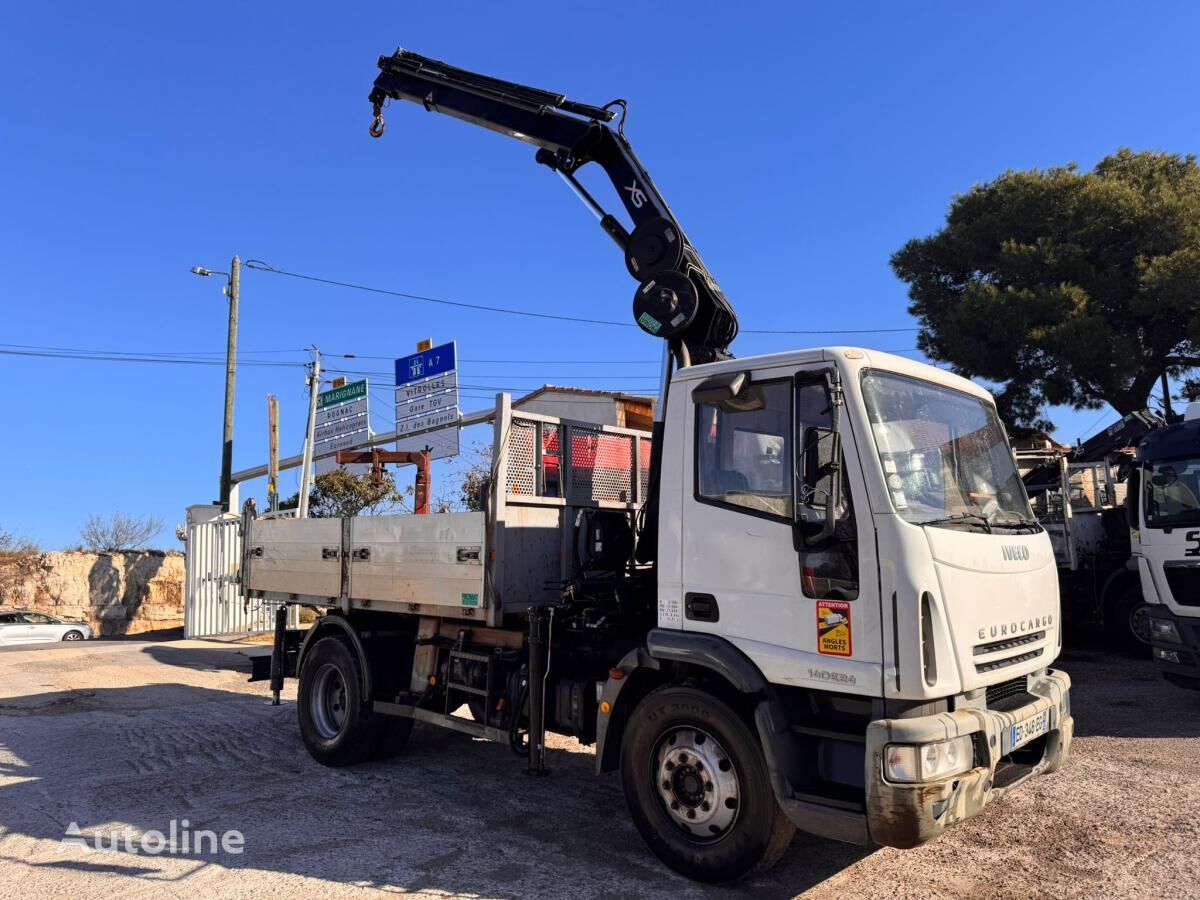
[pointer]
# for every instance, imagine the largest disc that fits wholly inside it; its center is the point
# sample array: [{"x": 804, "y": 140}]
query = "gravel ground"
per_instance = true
[{"x": 116, "y": 734}]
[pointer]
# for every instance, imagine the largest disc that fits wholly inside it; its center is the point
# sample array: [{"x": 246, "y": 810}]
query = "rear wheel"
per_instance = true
[
  {"x": 698, "y": 789},
  {"x": 337, "y": 728}
]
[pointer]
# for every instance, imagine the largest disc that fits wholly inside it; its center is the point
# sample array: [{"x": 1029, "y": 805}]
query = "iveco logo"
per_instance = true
[{"x": 1014, "y": 551}]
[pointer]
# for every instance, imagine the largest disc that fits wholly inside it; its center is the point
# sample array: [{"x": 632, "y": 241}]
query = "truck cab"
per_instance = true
[
  {"x": 1164, "y": 514},
  {"x": 853, "y": 524}
]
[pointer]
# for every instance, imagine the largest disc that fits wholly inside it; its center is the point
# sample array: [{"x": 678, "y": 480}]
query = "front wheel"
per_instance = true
[
  {"x": 73, "y": 636},
  {"x": 698, "y": 789},
  {"x": 1128, "y": 620}
]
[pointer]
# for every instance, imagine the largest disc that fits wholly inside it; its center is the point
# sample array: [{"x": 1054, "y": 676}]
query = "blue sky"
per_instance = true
[{"x": 798, "y": 144}]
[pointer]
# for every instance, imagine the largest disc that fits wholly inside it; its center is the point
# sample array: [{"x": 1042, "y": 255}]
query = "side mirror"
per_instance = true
[{"x": 1133, "y": 497}]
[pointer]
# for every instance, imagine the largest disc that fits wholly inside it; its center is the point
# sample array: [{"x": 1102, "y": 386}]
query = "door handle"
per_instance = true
[{"x": 701, "y": 607}]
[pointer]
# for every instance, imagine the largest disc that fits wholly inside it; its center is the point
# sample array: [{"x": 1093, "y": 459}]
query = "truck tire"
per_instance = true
[
  {"x": 698, "y": 788},
  {"x": 336, "y": 726},
  {"x": 1127, "y": 621}
]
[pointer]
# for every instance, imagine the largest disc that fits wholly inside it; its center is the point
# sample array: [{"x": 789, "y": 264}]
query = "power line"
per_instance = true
[
  {"x": 149, "y": 360},
  {"x": 259, "y": 266},
  {"x": 170, "y": 353}
]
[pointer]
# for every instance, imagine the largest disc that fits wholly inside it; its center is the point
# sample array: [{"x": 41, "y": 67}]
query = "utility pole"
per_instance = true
[
  {"x": 230, "y": 383},
  {"x": 273, "y": 454},
  {"x": 314, "y": 388}
]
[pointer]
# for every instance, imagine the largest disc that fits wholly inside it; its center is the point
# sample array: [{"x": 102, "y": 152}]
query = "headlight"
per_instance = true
[
  {"x": 911, "y": 763},
  {"x": 1164, "y": 630}
]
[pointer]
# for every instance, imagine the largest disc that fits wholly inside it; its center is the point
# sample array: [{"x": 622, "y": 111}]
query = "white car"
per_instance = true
[{"x": 24, "y": 627}]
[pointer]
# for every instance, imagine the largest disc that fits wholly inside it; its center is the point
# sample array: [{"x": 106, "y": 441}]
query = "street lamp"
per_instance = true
[{"x": 231, "y": 291}]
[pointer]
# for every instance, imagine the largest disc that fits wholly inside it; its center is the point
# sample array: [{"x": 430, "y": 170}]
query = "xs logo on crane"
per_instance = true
[{"x": 636, "y": 196}]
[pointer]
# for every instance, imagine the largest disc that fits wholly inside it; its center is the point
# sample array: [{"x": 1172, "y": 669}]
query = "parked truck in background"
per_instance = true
[
  {"x": 1124, "y": 520},
  {"x": 814, "y": 596},
  {"x": 1164, "y": 512},
  {"x": 1079, "y": 496}
]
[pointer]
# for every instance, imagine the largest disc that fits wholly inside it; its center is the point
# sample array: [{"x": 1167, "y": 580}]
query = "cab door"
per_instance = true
[{"x": 755, "y": 493}]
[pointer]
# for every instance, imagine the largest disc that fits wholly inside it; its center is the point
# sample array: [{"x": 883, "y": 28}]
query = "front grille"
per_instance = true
[
  {"x": 1006, "y": 689},
  {"x": 1008, "y": 643},
  {"x": 1184, "y": 582},
  {"x": 981, "y": 668}
]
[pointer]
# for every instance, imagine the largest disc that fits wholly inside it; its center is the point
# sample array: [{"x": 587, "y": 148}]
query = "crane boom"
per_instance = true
[{"x": 677, "y": 298}]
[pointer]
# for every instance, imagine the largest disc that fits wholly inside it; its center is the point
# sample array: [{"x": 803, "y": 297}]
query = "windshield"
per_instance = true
[
  {"x": 944, "y": 455},
  {"x": 1171, "y": 490}
]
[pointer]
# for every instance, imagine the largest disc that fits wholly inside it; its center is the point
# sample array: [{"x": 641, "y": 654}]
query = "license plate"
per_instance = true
[{"x": 1024, "y": 732}]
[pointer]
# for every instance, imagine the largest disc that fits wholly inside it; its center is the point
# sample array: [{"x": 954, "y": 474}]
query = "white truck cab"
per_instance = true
[
  {"x": 1164, "y": 514},
  {"x": 933, "y": 591}
]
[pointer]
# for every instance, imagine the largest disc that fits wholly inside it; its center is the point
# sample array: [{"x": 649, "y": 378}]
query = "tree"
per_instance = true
[
  {"x": 119, "y": 532},
  {"x": 342, "y": 493},
  {"x": 475, "y": 470},
  {"x": 1066, "y": 287},
  {"x": 12, "y": 543}
]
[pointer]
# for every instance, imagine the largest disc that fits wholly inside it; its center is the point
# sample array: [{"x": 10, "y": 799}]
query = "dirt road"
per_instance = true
[{"x": 110, "y": 735}]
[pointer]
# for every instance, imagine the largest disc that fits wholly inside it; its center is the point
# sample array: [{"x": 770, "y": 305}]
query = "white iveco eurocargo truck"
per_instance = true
[
  {"x": 862, "y": 650},
  {"x": 814, "y": 596}
]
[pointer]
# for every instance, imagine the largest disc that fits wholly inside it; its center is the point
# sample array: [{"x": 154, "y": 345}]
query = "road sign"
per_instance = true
[
  {"x": 434, "y": 385},
  {"x": 425, "y": 364},
  {"x": 341, "y": 411},
  {"x": 343, "y": 423},
  {"x": 339, "y": 427},
  {"x": 429, "y": 420},
  {"x": 354, "y": 391},
  {"x": 427, "y": 397}
]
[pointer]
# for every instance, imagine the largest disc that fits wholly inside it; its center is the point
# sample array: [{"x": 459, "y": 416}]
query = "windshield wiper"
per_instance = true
[
  {"x": 966, "y": 518},
  {"x": 1019, "y": 522}
]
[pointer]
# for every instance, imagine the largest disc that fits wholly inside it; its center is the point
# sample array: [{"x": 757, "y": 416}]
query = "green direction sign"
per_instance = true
[{"x": 353, "y": 391}]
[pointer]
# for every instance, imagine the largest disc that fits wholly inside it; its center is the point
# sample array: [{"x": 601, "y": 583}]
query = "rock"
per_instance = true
[{"x": 115, "y": 593}]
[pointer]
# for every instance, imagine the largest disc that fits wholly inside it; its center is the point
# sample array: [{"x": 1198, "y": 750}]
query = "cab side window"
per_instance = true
[
  {"x": 744, "y": 451},
  {"x": 828, "y": 571}
]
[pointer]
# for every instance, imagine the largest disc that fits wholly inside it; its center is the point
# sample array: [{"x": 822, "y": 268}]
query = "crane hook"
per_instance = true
[{"x": 377, "y": 127}]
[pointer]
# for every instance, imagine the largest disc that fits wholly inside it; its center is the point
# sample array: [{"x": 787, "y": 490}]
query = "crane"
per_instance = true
[{"x": 677, "y": 298}]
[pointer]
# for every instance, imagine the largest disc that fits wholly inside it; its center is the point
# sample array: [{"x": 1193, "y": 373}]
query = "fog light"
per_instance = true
[
  {"x": 1171, "y": 656},
  {"x": 910, "y": 763},
  {"x": 1164, "y": 630}
]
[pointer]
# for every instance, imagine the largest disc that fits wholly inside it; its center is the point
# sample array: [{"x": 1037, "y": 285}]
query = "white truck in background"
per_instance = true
[
  {"x": 814, "y": 597},
  {"x": 1164, "y": 513},
  {"x": 1123, "y": 515}
]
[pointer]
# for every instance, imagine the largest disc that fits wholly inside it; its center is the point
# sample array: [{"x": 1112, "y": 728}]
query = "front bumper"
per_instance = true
[
  {"x": 905, "y": 815},
  {"x": 1181, "y": 665}
]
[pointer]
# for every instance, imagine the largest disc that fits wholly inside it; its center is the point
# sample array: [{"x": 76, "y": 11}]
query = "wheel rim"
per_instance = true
[
  {"x": 1139, "y": 622},
  {"x": 327, "y": 702},
  {"x": 72, "y": 636},
  {"x": 697, "y": 783}
]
